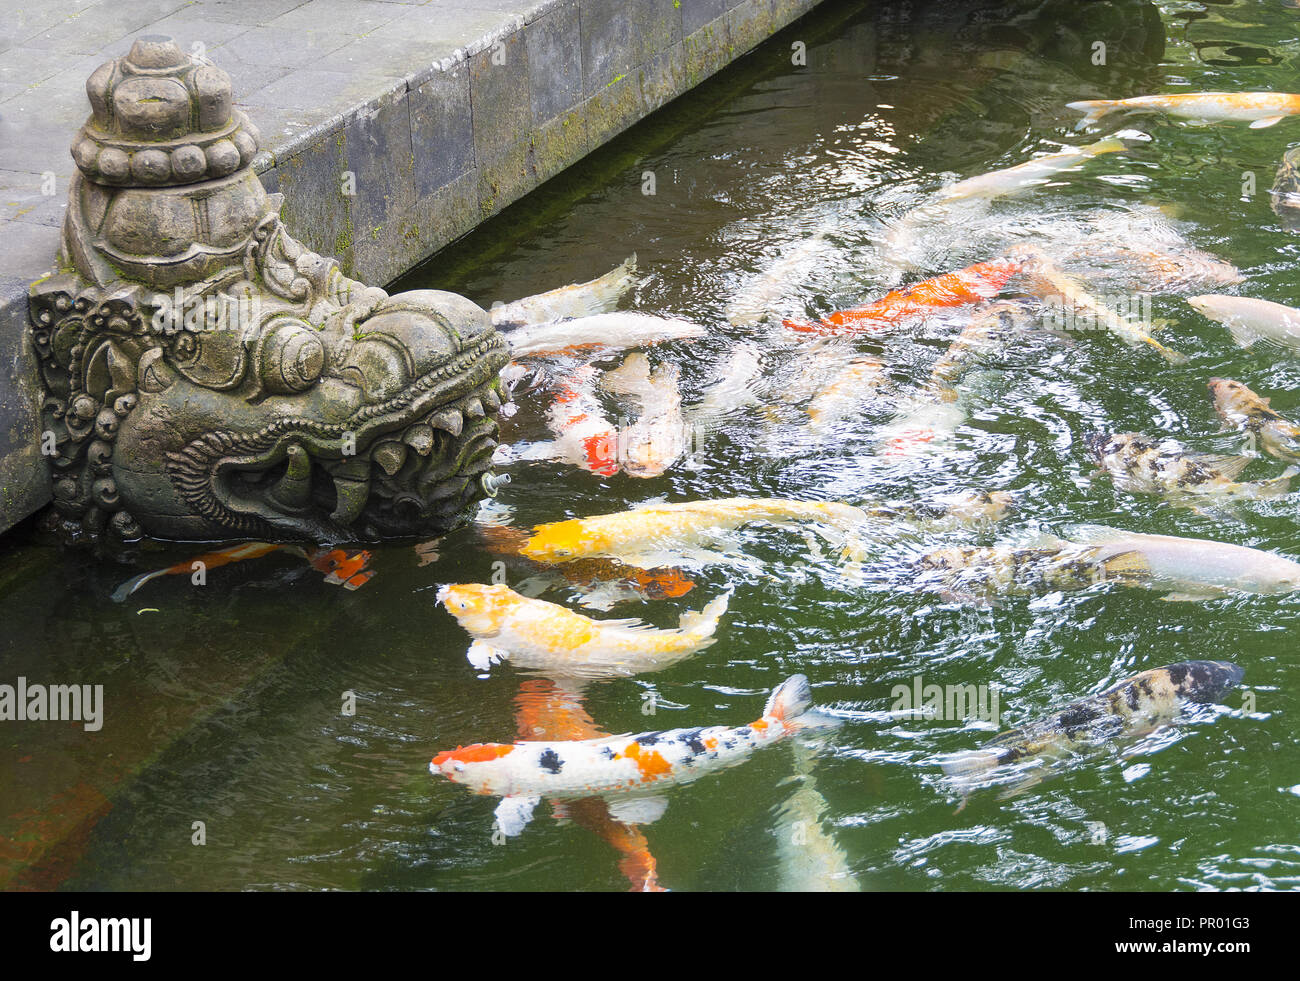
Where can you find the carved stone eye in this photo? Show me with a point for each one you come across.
(292, 358)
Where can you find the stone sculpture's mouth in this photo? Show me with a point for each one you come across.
(407, 466)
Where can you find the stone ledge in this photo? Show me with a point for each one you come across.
(436, 114)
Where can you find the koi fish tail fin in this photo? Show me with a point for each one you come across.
(792, 704)
(131, 585)
(705, 622)
(1172, 356)
(1093, 110)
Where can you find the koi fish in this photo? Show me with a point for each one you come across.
(1132, 707)
(1142, 465)
(989, 331)
(655, 535)
(1263, 108)
(1238, 405)
(585, 436)
(536, 635)
(657, 439)
(1055, 287)
(598, 334)
(1170, 272)
(547, 712)
(1196, 569)
(1031, 173)
(974, 284)
(733, 390)
(811, 860)
(340, 568)
(1250, 320)
(600, 295)
(860, 380)
(773, 284)
(948, 512)
(977, 574)
(925, 424)
(630, 771)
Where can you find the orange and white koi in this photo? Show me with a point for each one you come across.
(585, 436)
(541, 636)
(1238, 405)
(631, 771)
(974, 284)
(1262, 108)
(600, 295)
(657, 439)
(655, 535)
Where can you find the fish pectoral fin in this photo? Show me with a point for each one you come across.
(1230, 466)
(1194, 595)
(514, 813)
(1266, 122)
(637, 810)
(483, 655)
(1127, 566)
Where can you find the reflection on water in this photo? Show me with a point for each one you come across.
(295, 720)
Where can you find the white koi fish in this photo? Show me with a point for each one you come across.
(630, 771)
(846, 394)
(1193, 568)
(600, 295)
(657, 439)
(761, 294)
(598, 334)
(734, 389)
(1262, 108)
(1251, 321)
(536, 635)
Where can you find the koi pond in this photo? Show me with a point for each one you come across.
(268, 723)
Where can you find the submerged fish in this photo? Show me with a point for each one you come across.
(974, 284)
(846, 394)
(1168, 271)
(989, 331)
(1263, 108)
(1130, 708)
(542, 636)
(631, 772)
(1143, 465)
(544, 711)
(654, 535)
(973, 574)
(599, 333)
(1075, 304)
(599, 295)
(1250, 320)
(657, 439)
(948, 512)
(923, 424)
(810, 858)
(1039, 170)
(1193, 568)
(765, 290)
(1238, 405)
(735, 388)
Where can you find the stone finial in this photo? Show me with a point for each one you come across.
(161, 118)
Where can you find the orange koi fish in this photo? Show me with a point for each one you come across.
(546, 711)
(340, 569)
(974, 284)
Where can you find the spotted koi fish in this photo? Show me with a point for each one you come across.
(1238, 405)
(1130, 708)
(974, 284)
(976, 574)
(1143, 465)
(630, 772)
(541, 636)
(1262, 108)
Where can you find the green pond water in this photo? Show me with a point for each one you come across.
(223, 703)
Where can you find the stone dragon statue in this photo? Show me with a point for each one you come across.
(208, 377)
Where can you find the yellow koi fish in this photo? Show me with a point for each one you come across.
(542, 636)
(656, 535)
(1262, 108)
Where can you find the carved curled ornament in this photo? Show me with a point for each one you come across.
(207, 376)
